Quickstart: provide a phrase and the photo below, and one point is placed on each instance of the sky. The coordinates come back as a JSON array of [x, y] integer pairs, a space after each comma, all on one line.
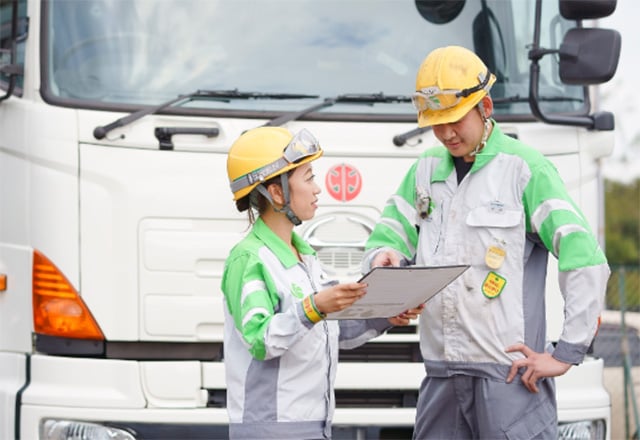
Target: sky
[[620, 95]]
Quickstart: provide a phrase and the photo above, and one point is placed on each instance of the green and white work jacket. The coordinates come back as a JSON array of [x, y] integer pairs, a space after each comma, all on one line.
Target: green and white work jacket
[[508, 213], [280, 365]]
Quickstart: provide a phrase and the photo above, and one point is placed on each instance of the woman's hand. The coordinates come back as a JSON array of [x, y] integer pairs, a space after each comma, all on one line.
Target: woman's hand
[[339, 297]]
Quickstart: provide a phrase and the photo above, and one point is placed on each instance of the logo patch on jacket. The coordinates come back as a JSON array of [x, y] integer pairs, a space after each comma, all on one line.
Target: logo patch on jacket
[[493, 285], [296, 290]]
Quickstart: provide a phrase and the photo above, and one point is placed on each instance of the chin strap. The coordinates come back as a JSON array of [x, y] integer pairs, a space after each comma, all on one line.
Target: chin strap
[[485, 131], [286, 209]]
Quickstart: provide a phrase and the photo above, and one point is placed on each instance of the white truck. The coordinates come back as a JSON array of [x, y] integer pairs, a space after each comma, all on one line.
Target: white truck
[[116, 214]]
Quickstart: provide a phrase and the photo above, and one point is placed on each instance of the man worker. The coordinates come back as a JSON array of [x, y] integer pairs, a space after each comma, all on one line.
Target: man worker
[[485, 199]]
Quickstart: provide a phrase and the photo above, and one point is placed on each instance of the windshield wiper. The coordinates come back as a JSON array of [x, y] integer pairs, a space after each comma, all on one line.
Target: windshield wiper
[[401, 139], [226, 95], [353, 98], [372, 98], [292, 116]]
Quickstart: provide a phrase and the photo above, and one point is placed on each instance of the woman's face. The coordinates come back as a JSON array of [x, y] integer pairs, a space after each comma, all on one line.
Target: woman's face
[[304, 192]]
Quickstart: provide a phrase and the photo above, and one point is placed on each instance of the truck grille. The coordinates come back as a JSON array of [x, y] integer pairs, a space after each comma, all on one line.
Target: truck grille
[[376, 399], [383, 352], [346, 398], [339, 239], [339, 259], [217, 398], [387, 352]]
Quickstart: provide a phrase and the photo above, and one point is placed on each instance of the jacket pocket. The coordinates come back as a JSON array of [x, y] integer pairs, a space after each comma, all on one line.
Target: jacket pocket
[[490, 227], [494, 217], [534, 424]]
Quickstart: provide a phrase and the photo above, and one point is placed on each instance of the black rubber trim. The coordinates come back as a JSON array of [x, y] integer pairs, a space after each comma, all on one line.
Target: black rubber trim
[[68, 347], [160, 431], [128, 350], [165, 431], [27, 381], [199, 351]]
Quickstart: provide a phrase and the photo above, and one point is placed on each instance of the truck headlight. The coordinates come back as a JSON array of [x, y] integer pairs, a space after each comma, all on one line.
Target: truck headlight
[[582, 430], [52, 429]]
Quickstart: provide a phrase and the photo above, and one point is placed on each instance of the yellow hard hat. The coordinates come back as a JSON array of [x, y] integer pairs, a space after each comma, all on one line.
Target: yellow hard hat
[[265, 152], [450, 82]]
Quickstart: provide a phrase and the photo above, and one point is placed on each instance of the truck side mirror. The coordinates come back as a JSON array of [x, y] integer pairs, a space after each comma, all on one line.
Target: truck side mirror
[[589, 56]]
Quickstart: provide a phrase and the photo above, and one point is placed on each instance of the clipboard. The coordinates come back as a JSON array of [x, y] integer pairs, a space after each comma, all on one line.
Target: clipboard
[[392, 290]]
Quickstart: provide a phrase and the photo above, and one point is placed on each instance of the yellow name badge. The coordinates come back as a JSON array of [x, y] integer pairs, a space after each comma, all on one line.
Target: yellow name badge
[[493, 285], [494, 257]]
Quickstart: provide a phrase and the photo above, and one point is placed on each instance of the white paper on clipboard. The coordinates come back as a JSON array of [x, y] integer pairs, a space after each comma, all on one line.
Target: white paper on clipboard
[[392, 290]]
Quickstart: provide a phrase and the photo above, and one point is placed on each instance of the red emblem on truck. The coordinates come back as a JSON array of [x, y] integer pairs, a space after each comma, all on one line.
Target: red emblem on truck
[[343, 182]]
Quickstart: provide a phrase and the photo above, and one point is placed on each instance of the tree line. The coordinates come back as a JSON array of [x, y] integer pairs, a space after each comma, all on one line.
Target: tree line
[[622, 222]]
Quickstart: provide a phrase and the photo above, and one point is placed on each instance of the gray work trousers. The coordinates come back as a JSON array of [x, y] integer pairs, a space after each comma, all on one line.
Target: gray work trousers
[[468, 407]]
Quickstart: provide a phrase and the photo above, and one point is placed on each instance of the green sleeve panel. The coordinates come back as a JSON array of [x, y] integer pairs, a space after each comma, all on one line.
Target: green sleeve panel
[[551, 213], [247, 285], [579, 249], [396, 228]]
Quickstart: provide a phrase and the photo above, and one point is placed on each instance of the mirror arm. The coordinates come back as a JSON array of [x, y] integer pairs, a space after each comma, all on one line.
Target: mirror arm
[[537, 53], [534, 104], [598, 121], [12, 69]]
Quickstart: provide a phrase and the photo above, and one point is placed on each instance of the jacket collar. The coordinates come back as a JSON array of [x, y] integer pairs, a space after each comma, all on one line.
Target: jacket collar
[[492, 147], [279, 247]]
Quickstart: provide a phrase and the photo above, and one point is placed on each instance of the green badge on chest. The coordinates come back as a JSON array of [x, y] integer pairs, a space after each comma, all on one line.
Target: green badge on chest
[[493, 285]]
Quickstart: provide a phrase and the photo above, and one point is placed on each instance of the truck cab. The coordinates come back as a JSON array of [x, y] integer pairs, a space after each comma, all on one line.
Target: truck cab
[[115, 210]]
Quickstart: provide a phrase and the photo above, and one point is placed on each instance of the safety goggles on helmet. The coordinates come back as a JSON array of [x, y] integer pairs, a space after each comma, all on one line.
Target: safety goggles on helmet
[[301, 146], [433, 98]]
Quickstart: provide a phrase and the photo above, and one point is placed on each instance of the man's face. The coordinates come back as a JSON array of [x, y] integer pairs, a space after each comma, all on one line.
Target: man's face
[[463, 136]]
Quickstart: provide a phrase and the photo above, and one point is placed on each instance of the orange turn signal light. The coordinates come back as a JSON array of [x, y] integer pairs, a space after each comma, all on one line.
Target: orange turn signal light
[[58, 310]]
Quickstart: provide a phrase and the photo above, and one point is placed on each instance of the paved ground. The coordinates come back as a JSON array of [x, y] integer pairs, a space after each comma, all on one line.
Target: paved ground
[[614, 382], [607, 345]]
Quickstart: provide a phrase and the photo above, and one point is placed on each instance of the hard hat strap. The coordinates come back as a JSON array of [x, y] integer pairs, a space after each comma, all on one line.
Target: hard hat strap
[[485, 132], [286, 208]]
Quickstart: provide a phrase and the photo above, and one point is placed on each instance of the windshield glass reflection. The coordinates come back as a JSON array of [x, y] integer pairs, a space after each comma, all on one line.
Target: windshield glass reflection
[[150, 51]]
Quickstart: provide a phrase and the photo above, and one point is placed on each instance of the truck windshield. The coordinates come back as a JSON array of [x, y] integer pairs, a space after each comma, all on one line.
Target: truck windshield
[[121, 53]]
